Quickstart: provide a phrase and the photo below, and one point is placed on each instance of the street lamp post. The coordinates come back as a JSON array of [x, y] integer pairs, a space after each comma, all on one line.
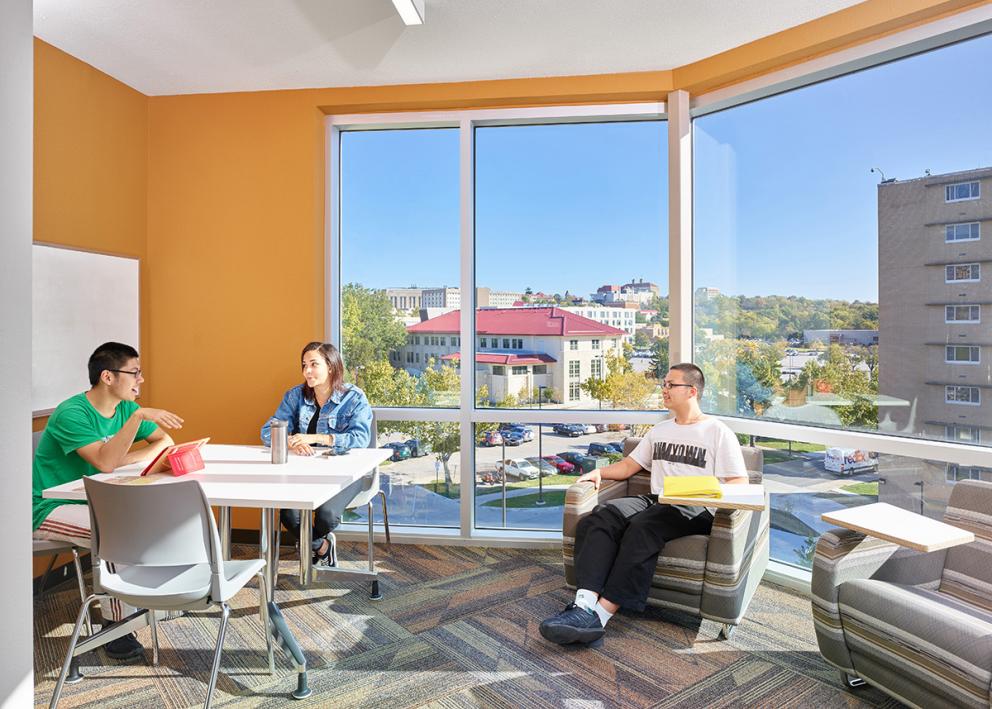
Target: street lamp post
[[540, 442]]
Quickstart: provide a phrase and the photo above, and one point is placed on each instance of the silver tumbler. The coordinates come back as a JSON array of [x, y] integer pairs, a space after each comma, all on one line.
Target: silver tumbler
[[280, 432]]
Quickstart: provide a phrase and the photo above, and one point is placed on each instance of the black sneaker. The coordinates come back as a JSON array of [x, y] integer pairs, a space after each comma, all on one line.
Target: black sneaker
[[124, 648], [329, 557], [575, 624]]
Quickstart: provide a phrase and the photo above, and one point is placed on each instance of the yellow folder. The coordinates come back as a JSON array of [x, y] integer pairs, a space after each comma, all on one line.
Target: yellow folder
[[692, 486]]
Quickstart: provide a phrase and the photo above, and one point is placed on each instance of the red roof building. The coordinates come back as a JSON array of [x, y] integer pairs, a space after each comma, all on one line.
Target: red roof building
[[538, 322]]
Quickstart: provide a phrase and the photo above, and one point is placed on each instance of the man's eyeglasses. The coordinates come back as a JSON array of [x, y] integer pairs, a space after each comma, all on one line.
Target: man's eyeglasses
[[136, 373], [666, 385]]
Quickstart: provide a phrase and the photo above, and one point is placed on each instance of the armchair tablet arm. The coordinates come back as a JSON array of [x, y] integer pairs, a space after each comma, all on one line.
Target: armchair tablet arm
[[844, 555], [580, 500]]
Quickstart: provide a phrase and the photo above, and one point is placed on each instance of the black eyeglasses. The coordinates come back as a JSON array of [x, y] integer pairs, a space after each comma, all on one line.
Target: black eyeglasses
[[133, 372], [669, 385]]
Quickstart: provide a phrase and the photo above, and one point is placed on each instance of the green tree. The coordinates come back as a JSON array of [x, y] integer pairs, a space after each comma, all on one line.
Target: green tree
[[622, 387], [368, 328]]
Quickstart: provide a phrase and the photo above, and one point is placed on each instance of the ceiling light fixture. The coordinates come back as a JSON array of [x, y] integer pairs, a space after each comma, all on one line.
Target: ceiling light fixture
[[411, 11]]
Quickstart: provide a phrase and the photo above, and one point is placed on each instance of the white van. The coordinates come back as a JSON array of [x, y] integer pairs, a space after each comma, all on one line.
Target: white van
[[849, 460]]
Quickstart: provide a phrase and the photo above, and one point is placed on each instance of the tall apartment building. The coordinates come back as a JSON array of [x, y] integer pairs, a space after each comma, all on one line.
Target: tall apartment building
[[405, 298], [484, 298], [935, 308]]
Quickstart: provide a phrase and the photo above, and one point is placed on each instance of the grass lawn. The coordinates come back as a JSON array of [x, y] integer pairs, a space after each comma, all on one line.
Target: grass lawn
[[554, 498], [439, 488], [549, 481], [870, 489], [797, 446], [773, 456]]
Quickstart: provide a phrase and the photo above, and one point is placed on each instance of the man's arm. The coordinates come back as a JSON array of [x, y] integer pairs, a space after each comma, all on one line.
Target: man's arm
[[621, 470], [157, 441], [105, 457]]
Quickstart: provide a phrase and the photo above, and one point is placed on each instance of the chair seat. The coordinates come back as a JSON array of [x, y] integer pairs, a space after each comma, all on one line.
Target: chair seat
[[177, 587], [682, 564], [935, 638]]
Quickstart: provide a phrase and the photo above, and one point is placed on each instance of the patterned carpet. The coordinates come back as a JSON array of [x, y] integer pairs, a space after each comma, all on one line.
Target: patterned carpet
[[457, 628]]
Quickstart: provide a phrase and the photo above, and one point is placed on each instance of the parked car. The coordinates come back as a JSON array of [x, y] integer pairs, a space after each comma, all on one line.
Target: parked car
[[418, 448], [589, 428], [563, 466], [847, 461], [512, 438], [601, 427], [490, 477], [573, 430], [401, 451], [597, 448], [544, 466], [518, 468], [490, 438], [526, 431], [584, 463], [617, 446]]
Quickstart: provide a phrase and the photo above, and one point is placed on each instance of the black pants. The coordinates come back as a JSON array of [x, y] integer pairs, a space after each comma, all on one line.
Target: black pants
[[617, 546], [328, 516]]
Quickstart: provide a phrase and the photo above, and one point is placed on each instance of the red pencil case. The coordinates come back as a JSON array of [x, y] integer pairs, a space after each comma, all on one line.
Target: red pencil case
[[186, 459]]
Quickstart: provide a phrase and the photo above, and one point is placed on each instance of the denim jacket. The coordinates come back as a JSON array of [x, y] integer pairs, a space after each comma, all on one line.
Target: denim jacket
[[347, 414]]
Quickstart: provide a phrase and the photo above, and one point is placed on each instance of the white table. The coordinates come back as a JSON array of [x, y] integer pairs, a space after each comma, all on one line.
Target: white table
[[734, 497], [899, 526], [243, 476]]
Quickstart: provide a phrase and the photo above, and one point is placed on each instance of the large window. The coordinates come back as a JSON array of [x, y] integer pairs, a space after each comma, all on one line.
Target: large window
[[571, 235]]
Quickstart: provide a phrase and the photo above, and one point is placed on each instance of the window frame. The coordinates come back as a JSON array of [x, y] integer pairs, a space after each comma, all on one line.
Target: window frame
[[973, 266], [974, 194], [953, 399], [951, 349], [952, 307], [949, 228]]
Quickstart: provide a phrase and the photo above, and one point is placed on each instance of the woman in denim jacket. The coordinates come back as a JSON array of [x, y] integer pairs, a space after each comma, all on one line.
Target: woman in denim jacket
[[323, 411]]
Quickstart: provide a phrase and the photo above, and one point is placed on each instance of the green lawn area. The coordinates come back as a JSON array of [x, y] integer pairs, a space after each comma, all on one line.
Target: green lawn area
[[870, 489], [797, 446], [554, 498]]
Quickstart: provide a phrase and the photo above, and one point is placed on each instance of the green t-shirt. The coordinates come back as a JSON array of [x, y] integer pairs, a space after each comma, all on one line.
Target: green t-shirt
[[74, 424]]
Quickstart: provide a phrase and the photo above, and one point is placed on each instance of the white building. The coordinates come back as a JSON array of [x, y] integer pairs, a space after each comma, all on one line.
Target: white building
[[841, 337], [518, 350], [623, 318], [405, 298], [452, 298]]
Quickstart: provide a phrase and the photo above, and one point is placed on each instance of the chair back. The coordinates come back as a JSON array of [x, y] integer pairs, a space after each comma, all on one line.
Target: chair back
[[754, 458], [967, 571], [371, 487], [166, 524]]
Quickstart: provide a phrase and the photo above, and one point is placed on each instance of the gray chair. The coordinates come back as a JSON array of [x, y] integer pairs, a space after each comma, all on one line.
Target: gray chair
[[159, 551], [916, 625], [52, 548], [711, 576]]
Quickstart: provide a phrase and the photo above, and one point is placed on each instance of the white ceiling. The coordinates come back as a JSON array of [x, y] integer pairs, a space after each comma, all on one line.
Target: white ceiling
[[163, 47]]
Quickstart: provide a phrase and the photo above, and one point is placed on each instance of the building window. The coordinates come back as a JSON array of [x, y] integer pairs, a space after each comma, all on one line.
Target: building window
[[416, 357], [416, 340], [962, 314], [520, 369], [971, 396], [506, 343], [573, 344], [958, 354], [595, 344], [499, 370], [540, 369], [409, 357], [574, 392], [482, 342], [961, 191], [956, 273], [963, 434], [518, 344], [597, 369], [957, 472], [962, 232], [573, 369]]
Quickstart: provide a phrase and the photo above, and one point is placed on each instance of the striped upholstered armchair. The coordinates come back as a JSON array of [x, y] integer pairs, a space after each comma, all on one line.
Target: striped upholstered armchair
[[916, 625], [711, 576]]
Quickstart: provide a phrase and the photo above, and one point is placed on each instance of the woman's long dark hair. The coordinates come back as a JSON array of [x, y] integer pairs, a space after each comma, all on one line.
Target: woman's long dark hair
[[335, 365]]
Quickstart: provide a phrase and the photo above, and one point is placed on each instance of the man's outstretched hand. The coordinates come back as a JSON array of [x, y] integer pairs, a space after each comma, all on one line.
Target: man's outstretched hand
[[593, 476]]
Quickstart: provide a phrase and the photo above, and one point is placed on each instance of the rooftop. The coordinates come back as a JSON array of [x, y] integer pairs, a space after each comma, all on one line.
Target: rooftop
[[542, 322]]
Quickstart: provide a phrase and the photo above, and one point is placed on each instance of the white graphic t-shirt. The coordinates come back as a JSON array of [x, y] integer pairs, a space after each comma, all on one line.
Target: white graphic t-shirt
[[708, 447]]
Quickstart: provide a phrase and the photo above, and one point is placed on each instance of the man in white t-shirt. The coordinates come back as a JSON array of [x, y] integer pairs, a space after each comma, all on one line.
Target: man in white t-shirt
[[617, 544]]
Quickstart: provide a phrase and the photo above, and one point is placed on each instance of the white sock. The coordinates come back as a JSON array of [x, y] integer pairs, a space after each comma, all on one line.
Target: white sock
[[604, 615], [585, 598]]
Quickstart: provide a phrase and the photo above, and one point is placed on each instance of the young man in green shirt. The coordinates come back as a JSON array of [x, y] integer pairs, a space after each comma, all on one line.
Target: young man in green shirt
[[93, 432]]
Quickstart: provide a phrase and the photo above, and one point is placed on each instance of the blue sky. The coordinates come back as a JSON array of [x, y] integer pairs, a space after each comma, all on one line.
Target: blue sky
[[784, 200]]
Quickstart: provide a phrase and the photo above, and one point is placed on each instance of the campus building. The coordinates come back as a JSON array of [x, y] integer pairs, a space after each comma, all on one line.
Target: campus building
[[519, 350], [935, 305]]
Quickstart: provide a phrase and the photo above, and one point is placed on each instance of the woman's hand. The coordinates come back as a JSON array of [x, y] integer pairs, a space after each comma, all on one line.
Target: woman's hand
[[301, 449], [310, 439]]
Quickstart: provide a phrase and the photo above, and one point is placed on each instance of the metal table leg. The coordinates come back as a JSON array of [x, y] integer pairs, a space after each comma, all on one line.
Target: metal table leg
[[306, 556], [225, 531]]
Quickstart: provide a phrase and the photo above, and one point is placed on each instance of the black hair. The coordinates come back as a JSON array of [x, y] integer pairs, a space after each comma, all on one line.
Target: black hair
[[693, 375], [109, 356], [335, 366]]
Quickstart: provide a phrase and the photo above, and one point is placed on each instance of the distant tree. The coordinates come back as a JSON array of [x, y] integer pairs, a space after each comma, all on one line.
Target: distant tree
[[642, 340], [622, 388], [368, 328], [659, 358], [528, 291]]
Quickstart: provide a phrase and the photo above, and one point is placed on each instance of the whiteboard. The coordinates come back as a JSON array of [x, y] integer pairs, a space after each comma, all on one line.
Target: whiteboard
[[79, 301]]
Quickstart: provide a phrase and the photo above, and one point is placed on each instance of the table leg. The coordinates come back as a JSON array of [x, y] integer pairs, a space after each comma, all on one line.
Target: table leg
[[225, 531], [306, 557]]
